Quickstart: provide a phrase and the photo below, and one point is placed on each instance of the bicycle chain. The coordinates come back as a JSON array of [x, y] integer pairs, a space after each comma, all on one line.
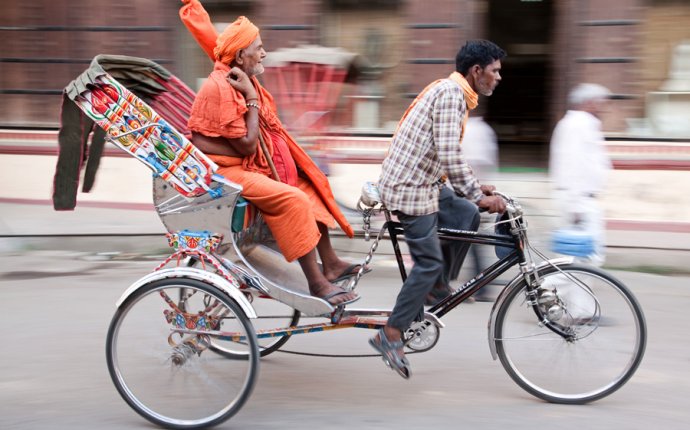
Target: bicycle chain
[[366, 215]]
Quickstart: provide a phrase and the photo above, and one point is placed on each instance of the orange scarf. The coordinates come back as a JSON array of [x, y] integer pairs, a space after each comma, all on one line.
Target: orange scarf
[[197, 21], [471, 98]]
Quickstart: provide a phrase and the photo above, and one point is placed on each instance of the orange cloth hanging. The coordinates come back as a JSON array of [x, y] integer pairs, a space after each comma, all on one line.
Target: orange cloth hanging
[[197, 21]]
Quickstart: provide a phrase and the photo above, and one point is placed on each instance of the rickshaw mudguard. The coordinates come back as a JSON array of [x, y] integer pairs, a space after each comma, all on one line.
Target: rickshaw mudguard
[[228, 287], [506, 291]]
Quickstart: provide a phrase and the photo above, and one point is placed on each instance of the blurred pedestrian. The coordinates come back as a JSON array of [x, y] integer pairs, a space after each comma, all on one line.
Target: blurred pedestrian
[[579, 165], [424, 152], [480, 146]]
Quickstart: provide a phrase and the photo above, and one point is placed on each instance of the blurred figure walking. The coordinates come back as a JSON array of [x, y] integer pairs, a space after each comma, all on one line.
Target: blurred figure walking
[[579, 165], [480, 146]]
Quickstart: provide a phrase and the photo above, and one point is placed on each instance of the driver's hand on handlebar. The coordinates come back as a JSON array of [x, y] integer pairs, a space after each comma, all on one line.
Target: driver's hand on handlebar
[[488, 190], [492, 204]]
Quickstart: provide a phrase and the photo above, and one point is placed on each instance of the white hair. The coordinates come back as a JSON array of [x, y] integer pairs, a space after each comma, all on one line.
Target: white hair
[[583, 93]]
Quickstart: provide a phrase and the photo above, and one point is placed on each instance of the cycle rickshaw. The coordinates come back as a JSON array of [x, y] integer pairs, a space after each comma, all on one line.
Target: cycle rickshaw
[[184, 346]]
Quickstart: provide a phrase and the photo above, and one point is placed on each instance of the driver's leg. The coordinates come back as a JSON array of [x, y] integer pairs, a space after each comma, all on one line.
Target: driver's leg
[[423, 243], [456, 213]]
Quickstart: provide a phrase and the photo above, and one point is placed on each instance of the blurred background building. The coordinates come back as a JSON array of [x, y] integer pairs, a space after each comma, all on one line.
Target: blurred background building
[[637, 48]]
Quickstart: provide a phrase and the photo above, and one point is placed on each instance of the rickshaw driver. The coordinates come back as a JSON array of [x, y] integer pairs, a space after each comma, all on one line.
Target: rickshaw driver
[[425, 150], [230, 114]]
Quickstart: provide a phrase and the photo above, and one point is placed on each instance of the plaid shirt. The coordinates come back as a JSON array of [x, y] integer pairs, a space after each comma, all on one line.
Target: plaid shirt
[[425, 147]]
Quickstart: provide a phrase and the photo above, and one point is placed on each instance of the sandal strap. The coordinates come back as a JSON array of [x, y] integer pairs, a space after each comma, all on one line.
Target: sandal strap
[[387, 344], [390, 355], [333, 294]]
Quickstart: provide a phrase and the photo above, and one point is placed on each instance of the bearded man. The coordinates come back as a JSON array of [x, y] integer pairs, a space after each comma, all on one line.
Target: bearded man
[[234, 121]]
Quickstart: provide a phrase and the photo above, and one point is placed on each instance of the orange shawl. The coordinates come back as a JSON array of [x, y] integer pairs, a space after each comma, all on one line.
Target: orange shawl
[[219, 111], [471, 98]]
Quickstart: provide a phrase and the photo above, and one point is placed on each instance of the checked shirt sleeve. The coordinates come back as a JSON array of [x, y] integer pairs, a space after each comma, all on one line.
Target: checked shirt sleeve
[[448, 117]]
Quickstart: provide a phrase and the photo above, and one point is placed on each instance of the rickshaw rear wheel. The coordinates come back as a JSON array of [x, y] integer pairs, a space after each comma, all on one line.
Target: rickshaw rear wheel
[[267, 345], [271, 315], [157, 357]]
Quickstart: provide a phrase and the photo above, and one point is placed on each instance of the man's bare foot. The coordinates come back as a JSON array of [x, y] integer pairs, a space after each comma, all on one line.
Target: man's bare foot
[[334, 295], [340, 270]]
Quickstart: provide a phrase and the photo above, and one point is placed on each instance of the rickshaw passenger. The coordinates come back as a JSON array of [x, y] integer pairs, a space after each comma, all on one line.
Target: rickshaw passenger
[[231, 113]]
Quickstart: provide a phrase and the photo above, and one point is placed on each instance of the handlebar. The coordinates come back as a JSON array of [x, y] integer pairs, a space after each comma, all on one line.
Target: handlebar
[[511, 205]]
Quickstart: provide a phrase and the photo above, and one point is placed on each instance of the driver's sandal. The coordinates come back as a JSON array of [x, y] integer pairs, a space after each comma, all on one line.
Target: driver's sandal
[[390, 353]]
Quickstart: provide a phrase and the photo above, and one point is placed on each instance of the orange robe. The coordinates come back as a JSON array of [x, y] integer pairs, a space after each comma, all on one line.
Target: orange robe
[[291, 212]]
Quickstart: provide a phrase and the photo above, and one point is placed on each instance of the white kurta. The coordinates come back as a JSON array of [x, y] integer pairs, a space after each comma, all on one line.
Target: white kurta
[[579, 167]]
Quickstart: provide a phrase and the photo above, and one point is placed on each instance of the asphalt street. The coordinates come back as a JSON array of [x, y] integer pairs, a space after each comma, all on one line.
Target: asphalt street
[[58, 304]]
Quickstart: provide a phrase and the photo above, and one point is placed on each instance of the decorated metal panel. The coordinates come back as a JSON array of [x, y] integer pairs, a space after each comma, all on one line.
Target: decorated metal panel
[[136, 128]]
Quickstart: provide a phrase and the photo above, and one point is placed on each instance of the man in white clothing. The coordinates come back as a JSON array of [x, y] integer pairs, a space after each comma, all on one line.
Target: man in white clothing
[[579, 164], [480, 146]]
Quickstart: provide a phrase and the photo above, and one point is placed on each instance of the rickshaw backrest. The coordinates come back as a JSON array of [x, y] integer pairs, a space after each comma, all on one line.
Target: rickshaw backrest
[[133, 126]]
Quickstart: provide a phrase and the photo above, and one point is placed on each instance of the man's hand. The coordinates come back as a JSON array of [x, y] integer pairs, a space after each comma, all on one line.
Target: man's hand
[[492, 204], [241, 82], [488, 190]]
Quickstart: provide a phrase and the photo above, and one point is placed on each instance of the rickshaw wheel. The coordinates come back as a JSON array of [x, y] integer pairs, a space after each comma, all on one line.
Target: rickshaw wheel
[[271, 315], [267, 319]]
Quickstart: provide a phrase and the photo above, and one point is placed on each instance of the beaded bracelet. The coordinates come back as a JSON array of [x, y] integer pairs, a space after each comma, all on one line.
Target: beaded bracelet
[[254, 105]]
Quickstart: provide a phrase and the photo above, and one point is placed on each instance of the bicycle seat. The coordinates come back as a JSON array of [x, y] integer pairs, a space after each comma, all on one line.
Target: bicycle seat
[[370, 196]]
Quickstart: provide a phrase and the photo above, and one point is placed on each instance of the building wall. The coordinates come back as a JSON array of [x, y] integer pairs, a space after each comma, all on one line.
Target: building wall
[[623, 44], [598, 42], [665, 25], [48, 43]]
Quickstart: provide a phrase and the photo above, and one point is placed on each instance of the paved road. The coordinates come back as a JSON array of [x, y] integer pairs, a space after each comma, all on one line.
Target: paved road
[[57, 305]]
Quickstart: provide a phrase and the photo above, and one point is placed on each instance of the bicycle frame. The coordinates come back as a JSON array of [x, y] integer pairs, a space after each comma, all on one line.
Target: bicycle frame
[[517, 241], [481, 279], [376, 318]]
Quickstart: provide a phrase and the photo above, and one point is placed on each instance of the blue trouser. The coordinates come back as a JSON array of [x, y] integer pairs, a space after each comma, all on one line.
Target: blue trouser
[[434, 261], [425, 249], [456, 213]]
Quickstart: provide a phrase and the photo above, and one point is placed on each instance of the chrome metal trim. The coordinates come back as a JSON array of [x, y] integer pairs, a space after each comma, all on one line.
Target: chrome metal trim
[[491, 326], [217, 281]]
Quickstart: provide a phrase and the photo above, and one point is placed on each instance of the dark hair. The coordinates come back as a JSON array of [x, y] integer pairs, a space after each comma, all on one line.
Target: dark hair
[[482, 52]]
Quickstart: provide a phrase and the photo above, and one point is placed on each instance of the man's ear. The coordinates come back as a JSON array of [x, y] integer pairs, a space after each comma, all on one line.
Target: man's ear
[[238, 56], [476, 69]]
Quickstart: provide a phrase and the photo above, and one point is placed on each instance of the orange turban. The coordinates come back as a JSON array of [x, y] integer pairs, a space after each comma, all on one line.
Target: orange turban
[[238, 35]]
